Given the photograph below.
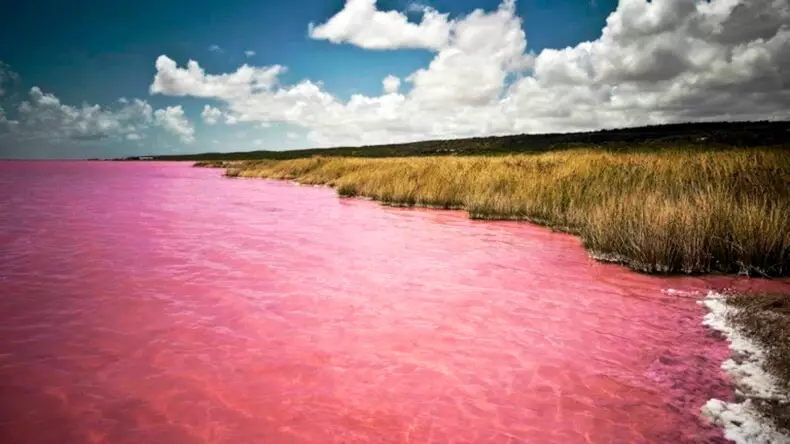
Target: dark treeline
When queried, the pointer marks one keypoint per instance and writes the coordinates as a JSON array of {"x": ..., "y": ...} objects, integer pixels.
[{"x": 723, "y": 134}]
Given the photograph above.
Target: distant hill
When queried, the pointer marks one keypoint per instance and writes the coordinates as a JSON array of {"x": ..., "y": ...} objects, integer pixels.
[{"x": 717, "y": 134}]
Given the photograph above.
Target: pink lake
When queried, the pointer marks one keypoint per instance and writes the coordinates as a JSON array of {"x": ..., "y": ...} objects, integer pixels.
[{"x": 159, "y": 303}]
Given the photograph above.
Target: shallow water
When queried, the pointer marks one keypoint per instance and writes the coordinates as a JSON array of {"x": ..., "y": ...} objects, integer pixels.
[{"x": 155, "y": 302}]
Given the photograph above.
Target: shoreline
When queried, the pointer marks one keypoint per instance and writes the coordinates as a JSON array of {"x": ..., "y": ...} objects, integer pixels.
[
  {"x": 687, "y": 213},
  {"x": 609, "y": 258},
  {"x": 748, "y": 419},
  {"x": 760, "y": 412}
]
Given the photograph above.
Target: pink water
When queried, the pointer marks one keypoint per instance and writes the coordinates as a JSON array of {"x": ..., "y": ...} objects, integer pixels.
[{"x": 159, "y": 303}]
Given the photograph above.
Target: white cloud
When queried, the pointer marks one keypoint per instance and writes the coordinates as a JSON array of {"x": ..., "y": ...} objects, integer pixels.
[
  {"x": 211, "y": 115},
  {"x": 391, "y": 84},
  {"x": 6, "y": 125},
  {"x": 669, "y": 61},
  {"x": 655, "y": 62},
  {"x": 292, "y": 136},
  {"x": 193, "y": 81},
  {"x": 215, "y": 48},
  {"x": 484, "y": 49},
  {"x": 43, "y": 116},
  {"x": 249, "y": 53},
  {"x": 173, "y": 120},
  {"x": 362, "y": 24}
]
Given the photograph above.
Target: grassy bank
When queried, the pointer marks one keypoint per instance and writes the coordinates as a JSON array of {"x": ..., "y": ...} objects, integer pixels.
[{"x": 678, "y": 210}]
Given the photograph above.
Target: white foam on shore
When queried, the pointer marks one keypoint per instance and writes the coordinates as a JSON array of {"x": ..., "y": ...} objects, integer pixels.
[{"x": 741, "y": 421}]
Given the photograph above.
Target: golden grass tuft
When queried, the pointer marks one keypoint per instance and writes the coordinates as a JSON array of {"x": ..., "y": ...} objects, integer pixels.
[{"x": 679, "y": 210}]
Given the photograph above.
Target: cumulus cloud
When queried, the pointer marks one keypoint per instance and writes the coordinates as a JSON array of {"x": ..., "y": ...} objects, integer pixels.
[
  {"x": 362, "y": 24},
  {"x": 193, "y": 81},
  {"x": 670, "y": 61},
  {"x": 654, "y": 62},
  {"x": 447, "y": 98},
  {"x": 44, "y": 118},
  {"x": 211, "y": 115},
  {"x": 6, "y": 124},
  {"x": 172, "y": 119},
  {"x": 391, "y": 84},
  {"x": 249, "y": 53},
  {"x": 484, "y": 49}
]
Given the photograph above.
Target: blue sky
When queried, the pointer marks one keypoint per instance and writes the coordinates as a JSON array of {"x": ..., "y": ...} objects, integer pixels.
[{"x": 96, "y": 52}]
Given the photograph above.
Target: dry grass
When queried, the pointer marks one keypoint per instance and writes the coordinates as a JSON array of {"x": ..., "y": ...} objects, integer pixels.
[
  {"x": 215, "y": 164},
  {"x": 665, "y": 211},
  {"x": 766, "y": 319}
]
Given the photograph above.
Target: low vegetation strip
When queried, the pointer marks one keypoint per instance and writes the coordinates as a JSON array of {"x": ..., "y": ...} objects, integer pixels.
[
  {"x": 668, "y": 211},
  {"x": 648, "y": 138}
]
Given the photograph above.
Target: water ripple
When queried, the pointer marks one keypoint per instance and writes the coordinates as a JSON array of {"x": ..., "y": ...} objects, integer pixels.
[{"x": 155, "y": 302}]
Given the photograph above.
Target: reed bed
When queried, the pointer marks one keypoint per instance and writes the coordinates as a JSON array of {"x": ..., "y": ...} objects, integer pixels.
[{"x": 668, "y": 211}]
